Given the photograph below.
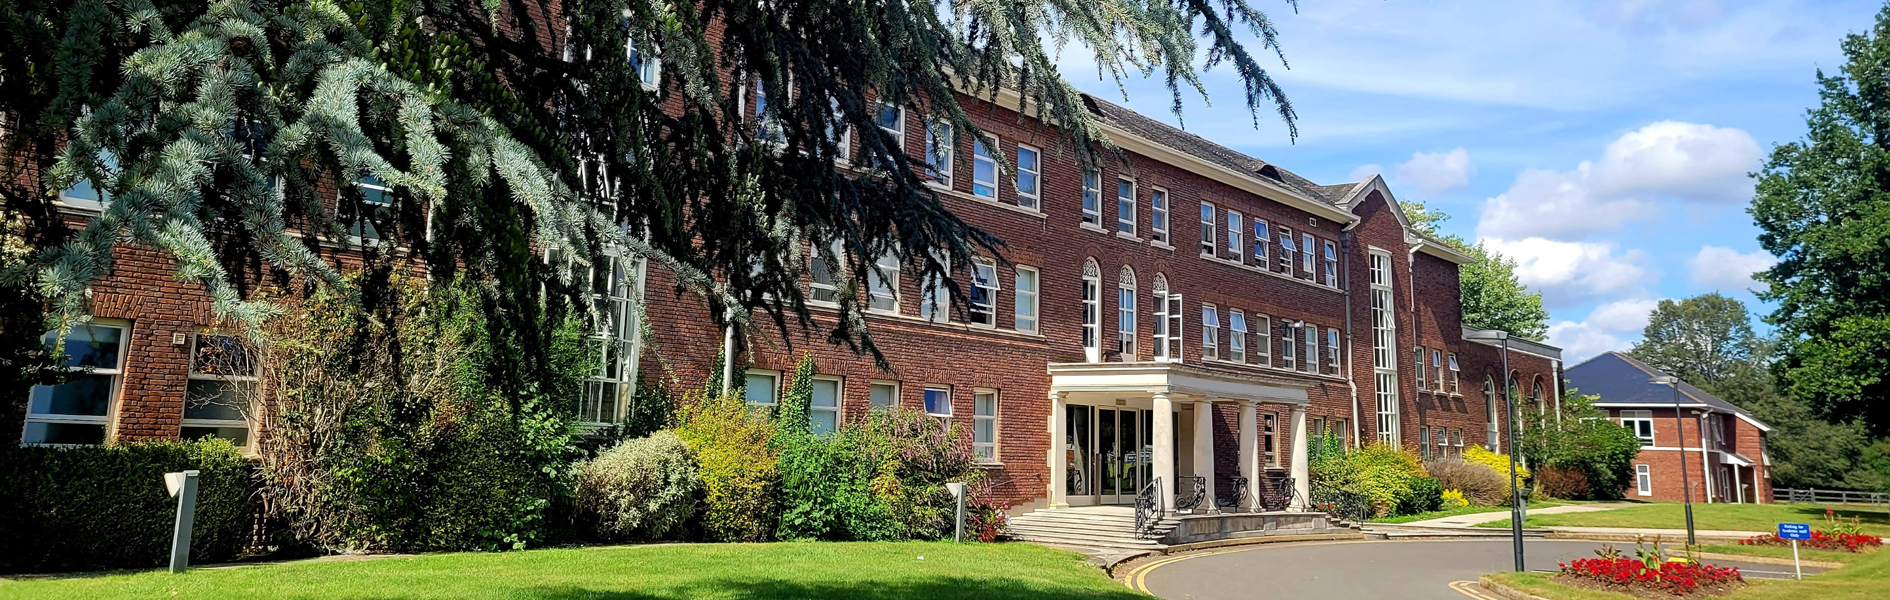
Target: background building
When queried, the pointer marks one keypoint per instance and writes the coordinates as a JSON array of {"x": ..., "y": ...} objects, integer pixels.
[{"x": 1731, "y": 466}]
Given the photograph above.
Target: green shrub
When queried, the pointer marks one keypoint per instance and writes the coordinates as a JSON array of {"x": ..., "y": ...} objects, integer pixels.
[
  {"x": 1478, "y": 484},
  {"x": 1582, "y": 439},
  {"x": 827, "y": 489},
  {"x": 106, "y": 507},
  {"x": 1558, "y": 482},
  {"x": 640, "y": 489},
  {"x": 1380, "y": 472},
  {"x": 1500, "y": 463},
  {"x": 737, "y": 462},
  {"x": 1426, "y": 495},
  {"x": 914, "y": 456}
]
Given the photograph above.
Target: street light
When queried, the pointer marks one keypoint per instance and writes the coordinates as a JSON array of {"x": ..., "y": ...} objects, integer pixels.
[
  {"x": 1680, "y": 431},
  {"x": 1515, "y": 481}
]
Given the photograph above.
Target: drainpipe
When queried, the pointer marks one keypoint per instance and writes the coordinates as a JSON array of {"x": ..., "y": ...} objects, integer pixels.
[
  {"x": 1345, "y": 246},
  {"x": 1706, "y": 469},
  {"x": 1410, "y": 278},
  {"x": 1555, "y": 371},
  {"x": 728, "y": 354}
]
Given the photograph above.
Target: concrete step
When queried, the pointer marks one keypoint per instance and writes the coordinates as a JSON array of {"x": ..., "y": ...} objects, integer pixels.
[
  {"x": 1085, "y": 541},
  {"x": 1089, "y": 528}
]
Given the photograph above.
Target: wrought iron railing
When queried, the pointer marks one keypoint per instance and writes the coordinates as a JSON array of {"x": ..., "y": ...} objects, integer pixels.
[
  {"x": 1277, "y": 493},
  {"x": 1236, "y": 499},
  {"x": 1350, "y": 506},
  {"x": 1148, "y": 507},
  {"x": 1190, "y": 497}
]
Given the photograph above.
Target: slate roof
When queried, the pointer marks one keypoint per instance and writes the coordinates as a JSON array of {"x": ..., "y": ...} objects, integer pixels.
[
  {"x": 1202, "y": 148},
  {"x": 1620, "y": 379}
]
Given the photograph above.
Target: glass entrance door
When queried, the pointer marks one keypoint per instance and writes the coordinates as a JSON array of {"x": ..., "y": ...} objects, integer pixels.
[{"x": 1109, "y": 454}]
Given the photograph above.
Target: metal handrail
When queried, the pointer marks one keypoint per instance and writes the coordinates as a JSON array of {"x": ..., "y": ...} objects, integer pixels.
[
  {"x": 1148, "y": 510},
  {"x": 1278, "y": 494},
  {"x": 1194, "y": 497},
  {"x": 1236, "y": 500}
]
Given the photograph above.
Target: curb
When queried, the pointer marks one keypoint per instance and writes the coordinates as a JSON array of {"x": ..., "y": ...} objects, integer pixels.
[
  {"x": 1257, "y": 540},
  {"x": 1505, "y": 591}
]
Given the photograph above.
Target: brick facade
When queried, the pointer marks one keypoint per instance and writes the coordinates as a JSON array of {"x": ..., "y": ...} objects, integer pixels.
[{"x": 1711, "y": 472}]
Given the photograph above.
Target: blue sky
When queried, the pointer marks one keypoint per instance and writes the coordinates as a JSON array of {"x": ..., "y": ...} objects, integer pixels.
[{"x": 1602, "y": 144}]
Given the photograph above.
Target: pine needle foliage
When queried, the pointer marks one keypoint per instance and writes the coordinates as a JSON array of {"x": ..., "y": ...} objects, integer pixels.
[{"x": 228, "y": 133}]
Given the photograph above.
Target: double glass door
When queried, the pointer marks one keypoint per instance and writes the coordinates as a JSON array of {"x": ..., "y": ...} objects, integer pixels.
[{"x": 1109, "y": 454}]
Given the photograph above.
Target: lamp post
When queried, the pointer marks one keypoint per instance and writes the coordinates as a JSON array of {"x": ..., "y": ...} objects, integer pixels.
[
  {"x": 1515, "y": 480},
  {"x": 1680, "y": 433}
]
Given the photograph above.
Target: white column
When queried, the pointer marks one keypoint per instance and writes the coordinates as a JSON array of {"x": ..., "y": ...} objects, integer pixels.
[
  {"x": 1164, "y": 426},
  {"x": 1250, "y": 453},
  {"x": 1302, "y": 473},
  {"x": 1059, "y": 450},
  {"x": 1204, "y": 451},
  {"x": 1739, "y": 486}
]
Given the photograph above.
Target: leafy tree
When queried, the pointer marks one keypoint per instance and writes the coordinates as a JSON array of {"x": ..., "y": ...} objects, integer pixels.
[
  {"x": 793, "y": 414},
  {"x": 1582, "y": 438},
  {"x": 1823, "y": 207},
  {"x": 1705, "y": 340},
  {"x": 1492, "y": 295}
]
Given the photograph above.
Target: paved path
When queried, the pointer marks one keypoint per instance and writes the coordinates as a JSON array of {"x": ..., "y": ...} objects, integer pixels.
[
  {"x": 1418, "y": 570},
  {"x": 1474, "y": 519}
]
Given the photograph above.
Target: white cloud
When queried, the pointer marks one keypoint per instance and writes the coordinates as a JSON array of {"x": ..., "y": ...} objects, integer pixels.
[
  {"x": 1667, "y": 159},
  {"x": 1723, "y": 268},
  {"x": 1622, "y": 316},
  {"x": 1579, "y": 341},
  {"x": 1570, "y": 272},
  {"x": 1436, "y": 173},
  {"x": 1685, "y": 160},
  {"x": 1364, "y": 171}
]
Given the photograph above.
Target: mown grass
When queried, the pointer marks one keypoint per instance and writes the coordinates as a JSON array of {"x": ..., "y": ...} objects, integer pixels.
[
  {"x": 1464, "y": 510},
  {"x": 870, "y": 571},
  {"x": 1729, "y": 517},
  {"x": 1783, "y": 552},
  {"x": 1866, "y": 577}
]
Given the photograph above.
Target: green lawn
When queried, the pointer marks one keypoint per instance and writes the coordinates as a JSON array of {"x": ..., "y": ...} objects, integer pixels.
[
  {"x": 1866, "y": 578},
  {"x": 747, "y": 571},
  {"x": 1466, "y": 510},
  {"x": 1734, "y": 517},
  {"x": 1784, "y": 552}
]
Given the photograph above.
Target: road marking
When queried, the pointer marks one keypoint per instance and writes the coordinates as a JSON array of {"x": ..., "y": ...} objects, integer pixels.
[
  {"x": 1471, "y": 589},
  {"x": 1137, "y": 578}
]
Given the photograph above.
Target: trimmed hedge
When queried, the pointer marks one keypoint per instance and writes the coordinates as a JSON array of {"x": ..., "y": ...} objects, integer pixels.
[{"x": 105, "y": 507}]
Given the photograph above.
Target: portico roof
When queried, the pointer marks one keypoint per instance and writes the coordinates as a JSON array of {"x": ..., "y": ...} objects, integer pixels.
[{"x": 1174, "y": 379}]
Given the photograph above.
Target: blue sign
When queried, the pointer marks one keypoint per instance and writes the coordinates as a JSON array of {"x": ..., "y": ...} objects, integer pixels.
[{"x": 1794, "y": 531}]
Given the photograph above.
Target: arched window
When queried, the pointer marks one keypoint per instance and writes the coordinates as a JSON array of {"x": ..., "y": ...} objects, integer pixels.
[
  {"x": 1092, "y": 310},
  {"x": 1125, "y": 313},
  {"x": 1489, "y": 404},
  {"x": 1167, "y": 310},
  {"x": 1535, "y": 393}
]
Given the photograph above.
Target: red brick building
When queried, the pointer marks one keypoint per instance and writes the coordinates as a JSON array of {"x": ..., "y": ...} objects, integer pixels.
[
  {"x": 1731, "y": 466},
  {"x": 1195, "y": 312}
]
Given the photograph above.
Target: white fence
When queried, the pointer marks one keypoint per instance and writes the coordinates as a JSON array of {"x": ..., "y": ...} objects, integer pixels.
[{"x": 1816, "y": 496}]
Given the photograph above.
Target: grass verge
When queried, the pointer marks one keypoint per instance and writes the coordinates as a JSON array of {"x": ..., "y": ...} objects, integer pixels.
[
  {"x": 1465, "y": 510},
  {"x": 1731, "y": 517},
  {"x": 862, "y": 570},
  {"x": 1867, "y": 577},
  {"x": 1784, "y": 553}
]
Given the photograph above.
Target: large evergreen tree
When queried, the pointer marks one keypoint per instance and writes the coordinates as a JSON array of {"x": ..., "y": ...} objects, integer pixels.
[
  {"x": 218, "y": 128},
  {"x": 1823, "y": 207}
]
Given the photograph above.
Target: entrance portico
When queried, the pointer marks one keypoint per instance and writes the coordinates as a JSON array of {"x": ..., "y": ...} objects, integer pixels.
[{"x": 1114, "y": 430}]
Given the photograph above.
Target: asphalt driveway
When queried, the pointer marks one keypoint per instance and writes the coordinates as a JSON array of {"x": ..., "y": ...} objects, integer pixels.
[{"x": 1419, "y": 570}]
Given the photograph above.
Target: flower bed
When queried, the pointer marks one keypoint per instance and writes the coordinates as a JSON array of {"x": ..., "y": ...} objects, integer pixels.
[
  {"x": 1636, "y": 577},
  {"x": 1820, "y": 540}
]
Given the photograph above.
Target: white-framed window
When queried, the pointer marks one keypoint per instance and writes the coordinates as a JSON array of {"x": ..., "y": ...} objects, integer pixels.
[
  {"x": 1287, "y": 250},
  {"x": 984, "y": 425},
  {"x": 1437, "y": 364},
  {"x": 1307, "y": 258},
  {"x": 1208, "y": 225},
  {"x": 85, "y": 193},
  {"x": 648, "y": 67},
  {"x": 938, "y": 400},
  {"x": 375, "y": 212},
  {"x": 1443, "y": 439},
  {"x": 614, "y": 284},
  {"x": 1261, "y": 239},
  {"x": 1210, "y": 332},
  {"x": 984, "y": 293},
  {"x": 1125, "y": 205},
  {"x": 1316, "y": 432},
  {"x": 1263, "y": 340},
  {"x": 1417, "y": 362},
  {"x": 1158, "y": 214},
  {"x": 1289, "y": 347},
  {"x": 79, "y": 411},
  {"x": 882, "y": 285},
  {"x": 984, "y": 168},
  {"x": 1456, "y": 439},
  {"x": 1332, "y": 264},
  {"x": 882, "y": 395},
  {"x": 1641, "y": 422},
  {"x": 1125, "y": 314},
  {"x": 763, "y": 388},
  {"x": 1489, "y": 408},
  {"x": 891, "y": 119},
  {"x": 1235, "y": 223},
  {"x": 1384, "y": 344},
  {"x": 1424, "y": 442},
  {"x": 218, "y": 390},
  {"x": 823, "y": 411},
  {"x": 938, "y": 152},
  {"x": 767, "y": 122},
  {"x": 1092, "y": 308},
  {"x": 1644, "y": 480},
  {"x": 839, "y": 132},
  {"x": 823, "y": 286},
  {"x": 1455, "y": 374},
  {"x": 935, "y": 302},
  {"x": 1092, "y": 197},
  {"x": 1026, "y": 308},
  {"x": 1236, "y": 336},
  {"x": 1271, "y": 424},
  {"x": 1167, "y": 321},
  {"x": 1312, "y": 349},
  {"x": 1029, "y": 177},
  {"x": 1332, "y": 350}
]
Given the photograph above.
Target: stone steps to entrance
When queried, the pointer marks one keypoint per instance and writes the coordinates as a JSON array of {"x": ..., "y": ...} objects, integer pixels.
[{"x": 1102, "y": 527}]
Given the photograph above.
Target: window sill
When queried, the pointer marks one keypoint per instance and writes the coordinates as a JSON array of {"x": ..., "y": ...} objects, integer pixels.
[
  {"x": 1093, "y": 227},
  {"x": 1162, "y": 245},
  {"x": 1128, "y": 236},
  {"x": 995, "y": 464}
]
